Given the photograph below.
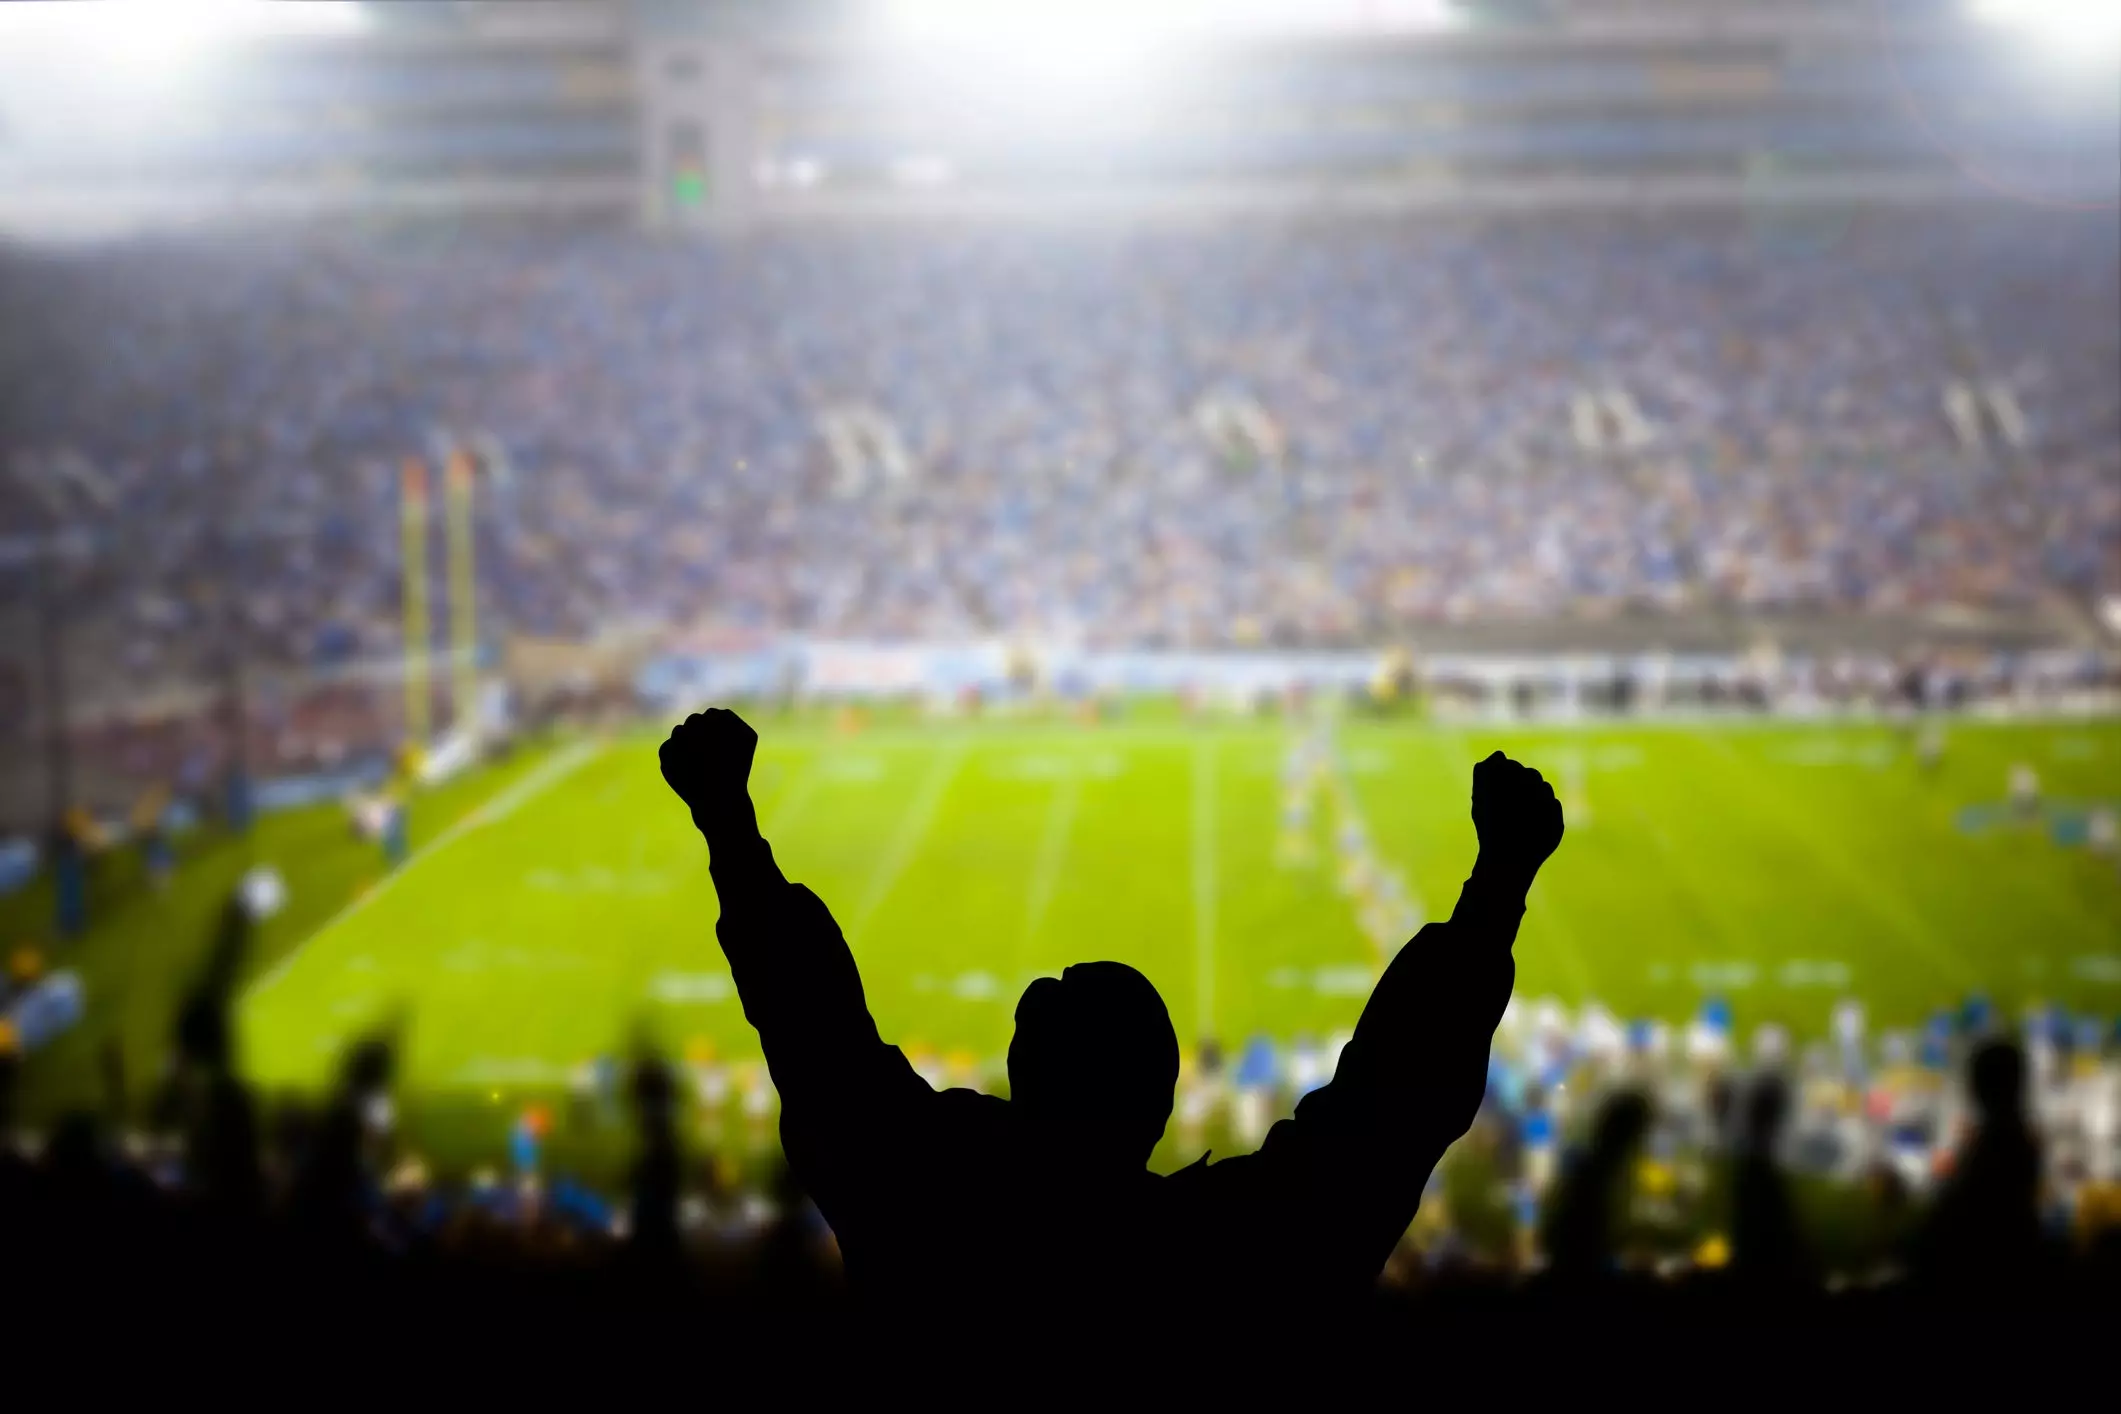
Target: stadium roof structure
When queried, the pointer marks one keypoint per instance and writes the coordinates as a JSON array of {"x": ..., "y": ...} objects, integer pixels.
[{"x": 718, "y": 112}]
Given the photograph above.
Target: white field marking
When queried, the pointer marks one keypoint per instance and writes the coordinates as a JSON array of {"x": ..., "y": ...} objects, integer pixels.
[
  {"x": 912, "y": 832},
  {"x": 1723, "y": 976},
  {"x": 1806, "y": 972},
  {"x": 855, "y": 770},
  {"x": 1366, "y": 761},
  {"x": 691, "y": 988},
  {"x": 1557, "y": 918},
  {"x": 1055, "y": 766},
  {"x": 2096, "y": 967},
  {"x": 596, "y": 879},
  {"x": 1677, "y": 867},
  {"x": 1052, "y": 852},
  {"x": 975, "y": 987},
  {"x": 508, "y": 1070},
  {"x": 547, "y": 775},
  {"x": 794, "y": 801},
  {"x": 1354, "y": 981},
  {"x": 1348, "y": 806},
  {"x": 1836, "y": 751},
  {"x": 1203, "y": 888},
  {"x": 1886, "y": 906},
  {"x": 1124, "y": 737}
]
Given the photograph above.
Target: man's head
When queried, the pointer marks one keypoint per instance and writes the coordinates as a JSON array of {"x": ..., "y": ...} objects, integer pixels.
[
  {"x": 1094, "y": 1057},
  {"x": 1998, "y": 1080}
]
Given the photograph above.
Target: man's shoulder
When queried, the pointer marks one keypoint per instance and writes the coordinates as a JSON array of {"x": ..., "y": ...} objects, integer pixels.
[
  {"x": 961, "y": 1106},
  {"x": 1205, "y": 1175}
]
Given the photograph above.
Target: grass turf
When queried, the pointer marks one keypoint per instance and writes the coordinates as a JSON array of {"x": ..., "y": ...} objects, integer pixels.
[{"x": 559, "y": 907}]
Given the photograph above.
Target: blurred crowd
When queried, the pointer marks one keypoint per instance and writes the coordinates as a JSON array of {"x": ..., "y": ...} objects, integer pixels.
[
  {"x": 1873, "y": 1127},
  {"x": 206, "y": 1201},
  {"x": 1613, "y": 1168},
  {"x": 1173, "y": 435}
]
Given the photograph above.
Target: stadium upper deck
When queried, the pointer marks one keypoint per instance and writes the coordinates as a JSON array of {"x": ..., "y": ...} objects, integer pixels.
[{"x": 705, "y": 110}]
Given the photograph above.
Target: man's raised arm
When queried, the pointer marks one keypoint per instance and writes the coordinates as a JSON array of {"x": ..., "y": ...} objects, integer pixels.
[
  {"x": 792, "y": 968},
  {"x": 1341, "y": 1181}
]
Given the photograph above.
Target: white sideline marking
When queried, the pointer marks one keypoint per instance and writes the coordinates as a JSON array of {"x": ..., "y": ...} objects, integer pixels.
[
  {"x": 691, "y": 988},
  {"x": 540, "y": 780},
  {"x": 911, "y": 833},
  {"x": 1203, "y": 889}
]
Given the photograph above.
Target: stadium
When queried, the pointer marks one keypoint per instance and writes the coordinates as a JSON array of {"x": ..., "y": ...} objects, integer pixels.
[{"x": 1129, "y": 463}]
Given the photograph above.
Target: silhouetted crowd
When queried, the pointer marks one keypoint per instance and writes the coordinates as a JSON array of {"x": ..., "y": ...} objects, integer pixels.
[
  {"x": 1175, "y": 436},
  {"x": 1628, "y": 1176},
  {"x": 207, "y": 1204}
]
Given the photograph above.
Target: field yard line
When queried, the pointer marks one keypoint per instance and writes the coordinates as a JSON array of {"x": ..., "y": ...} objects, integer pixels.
[
  {"x": 1351, "y": 801},
  {"x": 1540, "y": 903},
  {"x": 788, "y": 808},
  {"x": 1204, "y": 889},
  {"x": 1052, "y": 851},
  {"x": 1677, "y": 868},
  {"x": 1542, "y": 894},
  {"x": 541, "y": 779},
  {"x": 1882, "y": 903},
  {"x": 912, "y": 831}
]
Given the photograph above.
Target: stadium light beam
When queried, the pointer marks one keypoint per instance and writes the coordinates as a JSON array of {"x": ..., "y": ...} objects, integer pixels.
[
  {"x": 2083, "y": 30},
  {"x": 1065, "y": 33},
  {"x": 1066, "y": 69},
  {"x": 166, "y": 34}
]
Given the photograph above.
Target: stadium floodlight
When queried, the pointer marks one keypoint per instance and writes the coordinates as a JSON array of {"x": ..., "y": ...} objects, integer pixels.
[
  {"x": 2081, "y": 29},
  {"x": 1068, "y": 29},
  {"x": 923, "y": 170},
  {"x": 168, "y": 33},
  {"x": 1098, "y": 33},
  {"x": 1068, "y": 68},
  {"x": 1047, "y": 44}
]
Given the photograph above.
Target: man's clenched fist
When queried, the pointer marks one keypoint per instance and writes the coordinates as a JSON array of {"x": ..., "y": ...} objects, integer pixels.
[
  {"x": 1516, "y": 815},
  {"x": 707, "y": 760}
]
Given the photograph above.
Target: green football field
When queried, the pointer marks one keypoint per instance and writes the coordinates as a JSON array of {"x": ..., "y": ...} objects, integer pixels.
[{"x": 1780, "y": 866}]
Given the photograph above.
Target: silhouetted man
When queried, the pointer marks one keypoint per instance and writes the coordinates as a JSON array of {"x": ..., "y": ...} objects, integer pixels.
[
  {"x": 940, "y": 1199},
  {"x": 1580, "y": 1237},
  {"x": 1982, "y": 1240},
  {"x": 1769, "y": 1256}
]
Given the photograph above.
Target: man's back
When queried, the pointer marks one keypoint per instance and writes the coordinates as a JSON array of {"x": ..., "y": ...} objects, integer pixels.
[{"x": 1045, "y": 1198}]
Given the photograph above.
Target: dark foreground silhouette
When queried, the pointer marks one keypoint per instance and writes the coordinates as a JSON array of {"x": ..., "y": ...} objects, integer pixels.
[
  {"x": 1045, "y": 1198},
  {"x": 237, "y": 1219}
]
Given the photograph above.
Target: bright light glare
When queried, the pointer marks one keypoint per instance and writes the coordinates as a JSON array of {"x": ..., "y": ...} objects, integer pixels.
[
  {"x": 923, "y": 170},
  {"x": 1045, "y": 47},
  {"x": 2071, "y": 28},
  {"x": 166, "y": 33},
  {"x": 1061, "y": 36}
]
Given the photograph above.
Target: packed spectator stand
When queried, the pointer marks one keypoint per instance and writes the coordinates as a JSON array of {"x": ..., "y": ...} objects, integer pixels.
[{"x": 1175, "y": 436}]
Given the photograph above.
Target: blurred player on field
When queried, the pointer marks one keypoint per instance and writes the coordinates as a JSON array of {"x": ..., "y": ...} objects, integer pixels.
[
  {"x": 757, "y": 1088},
  {"x": 1308, "y": 1067},
  {"x": 1252, "y": 1107},
  {"x": 1929, "y": 747},
  {"x": 2024, "y": 790},
  {"x": 1198, "y": 1075},
  {"x": 710, "y": 1081},
  {"x": 2102, "y": 832}
]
